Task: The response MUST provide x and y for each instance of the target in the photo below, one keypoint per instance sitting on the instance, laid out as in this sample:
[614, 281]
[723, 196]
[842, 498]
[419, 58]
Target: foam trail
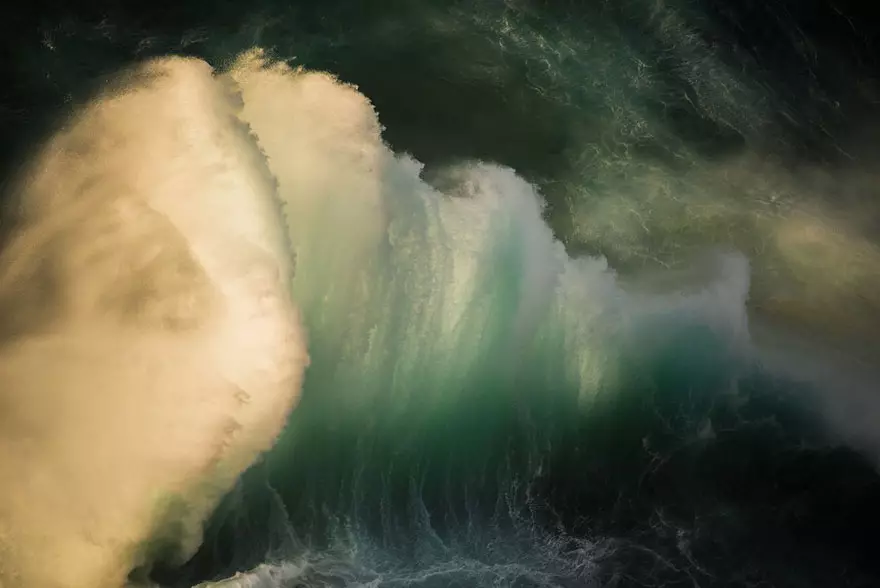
[150, 350]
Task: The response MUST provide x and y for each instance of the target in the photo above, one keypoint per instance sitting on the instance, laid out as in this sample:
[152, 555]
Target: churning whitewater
[208, 264]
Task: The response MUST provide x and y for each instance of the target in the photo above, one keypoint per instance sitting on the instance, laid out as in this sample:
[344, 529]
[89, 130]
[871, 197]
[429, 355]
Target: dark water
[654, 130]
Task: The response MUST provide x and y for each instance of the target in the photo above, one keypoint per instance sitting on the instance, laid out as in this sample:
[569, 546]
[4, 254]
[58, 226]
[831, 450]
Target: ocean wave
[567, 325]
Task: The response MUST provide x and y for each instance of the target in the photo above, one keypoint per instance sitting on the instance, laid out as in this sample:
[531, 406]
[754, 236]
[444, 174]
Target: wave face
[589, 295]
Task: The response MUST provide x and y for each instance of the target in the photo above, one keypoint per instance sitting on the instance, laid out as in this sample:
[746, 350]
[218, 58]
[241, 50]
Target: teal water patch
[671, 476]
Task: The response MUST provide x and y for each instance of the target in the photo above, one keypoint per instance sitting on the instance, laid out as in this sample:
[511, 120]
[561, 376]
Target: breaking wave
[501, 376]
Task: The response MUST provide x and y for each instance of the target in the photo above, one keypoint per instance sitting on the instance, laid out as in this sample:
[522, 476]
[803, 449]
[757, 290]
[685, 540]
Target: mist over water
[588, 296]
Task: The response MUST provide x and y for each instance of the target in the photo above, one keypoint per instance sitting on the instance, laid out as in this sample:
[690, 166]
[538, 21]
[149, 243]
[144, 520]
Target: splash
[151, 350]
[453, 341]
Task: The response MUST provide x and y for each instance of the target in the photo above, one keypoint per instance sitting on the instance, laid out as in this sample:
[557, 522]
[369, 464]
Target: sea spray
[399, 278]
[150, 350]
